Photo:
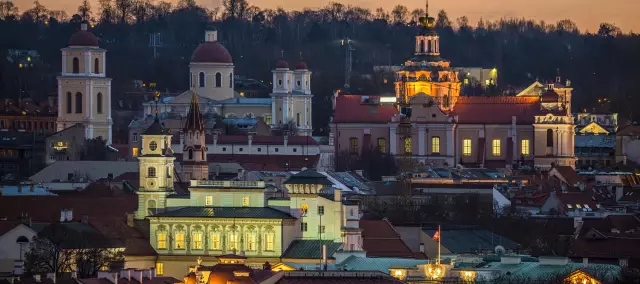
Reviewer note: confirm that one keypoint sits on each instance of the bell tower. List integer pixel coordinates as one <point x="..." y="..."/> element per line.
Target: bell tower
<point x="194" y="153"/>
<point x="156" y="168"/>
<point x="84" y="91"/>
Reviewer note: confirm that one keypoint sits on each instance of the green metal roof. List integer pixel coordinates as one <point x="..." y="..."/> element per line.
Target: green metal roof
<point x="310" y="249"/>
<point x="382" y="264"/>
<point x="472" y="240"/>
<point x="226" y="212"/>
<point x="308" y="176"/>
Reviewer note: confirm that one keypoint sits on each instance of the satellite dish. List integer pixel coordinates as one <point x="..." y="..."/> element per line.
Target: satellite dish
<point x="500" y="250"/>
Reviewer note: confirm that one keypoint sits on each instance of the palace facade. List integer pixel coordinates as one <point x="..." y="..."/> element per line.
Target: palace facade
<point x="430" y="122"/>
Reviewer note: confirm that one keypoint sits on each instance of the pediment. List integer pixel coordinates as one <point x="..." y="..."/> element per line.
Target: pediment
<point x="593" y="128"/>
<point x="425" y="109"/>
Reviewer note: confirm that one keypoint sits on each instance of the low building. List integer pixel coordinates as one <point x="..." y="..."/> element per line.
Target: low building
<point x="628" y="144"/>
<point x="65" y="145"/>
<point x="28" y="115"/>
<point x="21" y="155"/>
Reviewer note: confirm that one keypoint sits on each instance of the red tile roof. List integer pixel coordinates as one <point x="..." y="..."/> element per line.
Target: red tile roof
<point x="349" y="109"/>
<point x="569" y="174"/>
<point x="621" y="244"/>
<point x="498" y="110"/>
<point x="265" y="162"/>
<point x="379" y="239"/>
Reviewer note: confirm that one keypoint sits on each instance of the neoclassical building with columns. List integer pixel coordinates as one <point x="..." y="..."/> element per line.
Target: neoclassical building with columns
<point x="430" y="122"/>
<point x="212" y="69"/>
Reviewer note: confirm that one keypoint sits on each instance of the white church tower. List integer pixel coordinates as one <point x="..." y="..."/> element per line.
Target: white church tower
<point x="84" y="91"/>
<point x="291" y="96"/>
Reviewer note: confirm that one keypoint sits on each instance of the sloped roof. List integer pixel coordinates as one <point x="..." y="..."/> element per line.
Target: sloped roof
<point x="588" y="141"/>
<point x="382" y="264"/>
<point x="308" y="176"/>
<point x="379" y="239"/>
<point x="226" y="212"/>
<point x="629" y="130"/>
<point x="498" y="110"/>
<point x="471" y="240"/>
<point x="349" y="109"/>
<point x="310" y="249"/>
<point x="194" y="117"/>
<point x="569" y="174"/>
<point x="47" y="208"/>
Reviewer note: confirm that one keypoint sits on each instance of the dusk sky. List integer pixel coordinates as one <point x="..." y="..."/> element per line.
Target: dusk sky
<point x="588" y="14"/>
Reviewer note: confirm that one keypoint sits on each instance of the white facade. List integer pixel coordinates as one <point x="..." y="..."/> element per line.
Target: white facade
<point x="13" y="247"/>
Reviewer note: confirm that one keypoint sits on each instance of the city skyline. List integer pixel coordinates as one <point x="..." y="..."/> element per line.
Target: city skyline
<point x="587" y="14"/>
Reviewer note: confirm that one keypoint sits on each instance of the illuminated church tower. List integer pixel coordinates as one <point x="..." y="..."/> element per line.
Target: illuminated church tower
<point x="194" y="153"/>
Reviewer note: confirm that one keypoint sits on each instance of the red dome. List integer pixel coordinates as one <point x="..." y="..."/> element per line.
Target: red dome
<point x="211" y="52"/>
<point x="550" y="96"/>
<point x="83" y="38"/>
<point x="301" y="66"/>
<point x="282" y="64"/>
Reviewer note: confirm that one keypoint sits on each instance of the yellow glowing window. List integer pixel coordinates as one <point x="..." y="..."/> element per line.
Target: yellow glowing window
<point x="159" y="268"/>
<point x="251" y="241"/>
<point x="269" y="241"/>
<point x="233" y="240"/>
<point x="525" y="147"/>
<point x="304" y="208"/>
<point x="495" y="147"/>
<point x="180" y="240"/>
<point x="215" y="240"/>
<point x="569" y="206"/>
<point x="353" y="145"/>
<point x="466" y="147"/>
<point x="382" y="145"/>
<point x="245" y="201"/>
<point x="408" y="146"/>
<point x="435" y="144"/>
<point x="208" y="200"/>
<point x="268" y="119"/>
<point x="162" y="240"/>
<point x="578" y="206"/>
<point x="197" y="240"/>
<point x="135" y="151"/>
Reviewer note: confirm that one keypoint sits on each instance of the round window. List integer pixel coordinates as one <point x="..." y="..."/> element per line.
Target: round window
<point x="153" y="146"/>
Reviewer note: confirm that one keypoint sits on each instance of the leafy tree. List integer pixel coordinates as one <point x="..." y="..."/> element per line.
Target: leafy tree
<point x="84" y="10"/>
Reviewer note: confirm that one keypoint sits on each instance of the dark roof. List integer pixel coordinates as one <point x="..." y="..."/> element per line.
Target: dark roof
<point x="308" y="176"/>
<point x="379" y="239"/>
<point x="301" y="66"/>
<point x="227" y="212"/>
<point x="350" y="109"/>
<point x="470" y="240"/>
<point x="569" y="174"/>
<point x="194" y="117"/>
<point x="281" y="64"/>
<point x="211" y="52"/>
<point x="156" y="128"/>
<point x="310" y="249"/>
<point x="629" y="130"/>
<point x="549" y="96"/>
<point x="47" y="208"/>
<point x="83" y="38"/>
<point x="498" y="110"/>
<point x="266" y="140"/>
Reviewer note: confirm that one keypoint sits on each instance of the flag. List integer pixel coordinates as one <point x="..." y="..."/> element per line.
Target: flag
<point x="436" y="236"/>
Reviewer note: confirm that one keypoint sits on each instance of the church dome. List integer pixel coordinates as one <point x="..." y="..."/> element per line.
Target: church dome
<point x="282" y="65"/>
<point x="211" y="52"/>
<point x="550" y="96"/>
<point x="83" y="38"/>
<point x="301" y="66"/>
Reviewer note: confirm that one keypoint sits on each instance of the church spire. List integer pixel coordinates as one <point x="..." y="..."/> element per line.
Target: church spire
<point x="194" y="117"/>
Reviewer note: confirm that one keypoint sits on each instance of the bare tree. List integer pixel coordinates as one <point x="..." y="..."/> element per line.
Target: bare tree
<point x="84" y="10"/>
<point x="399" y="14"/>
<point x="7" y="9"/>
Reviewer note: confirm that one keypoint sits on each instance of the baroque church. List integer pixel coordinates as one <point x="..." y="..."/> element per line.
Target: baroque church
<point x="212" y="71"/>
<point x="219" y="217"/>
<point x="428" y="121"/>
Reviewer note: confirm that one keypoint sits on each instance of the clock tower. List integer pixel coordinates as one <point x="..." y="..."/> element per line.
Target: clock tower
<point x="156" y="169"/>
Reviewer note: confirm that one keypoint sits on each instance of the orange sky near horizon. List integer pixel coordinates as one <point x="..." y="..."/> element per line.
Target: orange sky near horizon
<point x="587" y="14"/>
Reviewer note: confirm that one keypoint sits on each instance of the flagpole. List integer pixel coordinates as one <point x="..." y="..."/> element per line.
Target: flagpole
<point x="439" y="238"/>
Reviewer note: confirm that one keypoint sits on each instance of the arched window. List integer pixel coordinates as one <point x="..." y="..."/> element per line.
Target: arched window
<point x="78" y="102"/>
<point x="230" y="80"/>
<point x="151" y="172"/>
<point x="201" y="80"/>
<point x="218" y="80"/>
<point x="549" y="138"/>
<point x="280" y="83"/>
<point x="251" y="237"/>
<point x="215" y="238"/>
<point x="96" y="66"/>
<point x="69" y="102"/>
<point x="429" y="46"/>
<point x="203" y="154"/>
<point x="22" y="240"/>
<point x="99" y="103"/>
<point x="269" y="239"/>
<point x="190" y="154"/>
<point x="76" y="65"/>
<point x="421" y="46"/>
<point x="298" y="83"/>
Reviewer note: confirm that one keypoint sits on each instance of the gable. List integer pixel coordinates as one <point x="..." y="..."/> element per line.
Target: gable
<point x="593" y="128"/>
<point x="533" y="90"/>
<point x="424" y="109"/>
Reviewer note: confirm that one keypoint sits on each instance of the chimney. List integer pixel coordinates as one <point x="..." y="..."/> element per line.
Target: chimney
<point x="211" y="36"/>
<point x="51" y="276"/>
<point x="83" y="26"/>
<point x="25" y="219"/>
<point x="422" y="247"/>
<point x="63" y="216"/>
<point x="337" y="195"/>
<point x="36" y="277"/>
<point x="69" y="214"/>
<point x="130" y="222"/>
<point x="18" y="267"/>
<point x="585" y="261"/>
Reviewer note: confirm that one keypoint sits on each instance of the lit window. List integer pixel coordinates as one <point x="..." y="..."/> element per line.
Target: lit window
<point x="233" y="240"/>
<point x="179" y="240"/>
<point x="353" y="145"/>
<point x="151" y="172"/>
<point x="303" y="227"/>
<point x="269" y="241"/>
<point x="197" y="240"/>
<point x="268" y="119"/>
<point x="525" y="147"/>
<point x="320" y="210"/>
<point x="466" y="147"/>
<point x="252" y="239"/>
<point x="408" y="146"/>
<point x="321" y="229"/>
<point x="586" y="206"/>
<point x="569" y="206"/>
<point x="382" y="145"/>
<point x="135" y="151"/>
<point x="245" y="201"/>
<point x="162" y="240"/>
<point x="578" y="206"/>
<point x="495" y="147"/>
<point x="435" y="144"/>
<point x="153" y="146"/>
<point x="208" y="200"/>
<point x="159" y="268"/>
<point x="215" y="240"/>
<point x="304" y="208"/>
